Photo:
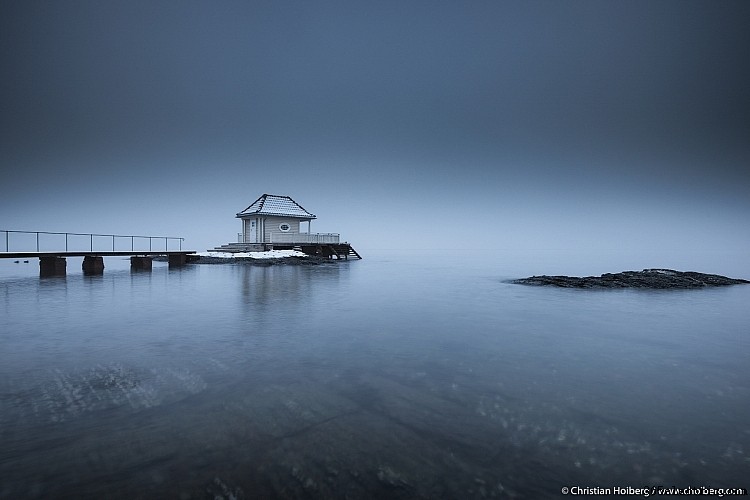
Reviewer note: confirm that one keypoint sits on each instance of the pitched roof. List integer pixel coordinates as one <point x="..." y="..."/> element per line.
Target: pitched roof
<point x="271" y="204"/>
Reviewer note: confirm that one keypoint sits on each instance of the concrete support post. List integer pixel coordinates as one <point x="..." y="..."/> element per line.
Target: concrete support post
<point x="92" y="265"/>
<point x="52" y="266"/>
<point x="177" y="259"/>
<point x="140" y="263"/>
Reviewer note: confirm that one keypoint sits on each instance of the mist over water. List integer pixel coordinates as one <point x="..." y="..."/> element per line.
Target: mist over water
<point x="395" y="377"/>
<point x="605" y="126"/>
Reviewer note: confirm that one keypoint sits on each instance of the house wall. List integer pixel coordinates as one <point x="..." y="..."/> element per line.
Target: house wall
<point x="268" y="225"/>
<point x="271" y="226"/>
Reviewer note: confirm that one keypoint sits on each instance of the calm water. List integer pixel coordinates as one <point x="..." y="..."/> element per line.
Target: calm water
<point x="390" y="377"/>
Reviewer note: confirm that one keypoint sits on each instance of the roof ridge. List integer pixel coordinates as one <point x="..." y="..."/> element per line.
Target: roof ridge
<point x="253" y="203"/>
<point x="276" y="204"/>
<point x="303" y="208"/>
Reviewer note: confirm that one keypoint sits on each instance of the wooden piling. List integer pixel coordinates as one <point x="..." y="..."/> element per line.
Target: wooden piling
<point x="177" y="260"/>
<point x="92" y="265"/>
<point x="140" y="263"/>
<point x="52" y="266"/>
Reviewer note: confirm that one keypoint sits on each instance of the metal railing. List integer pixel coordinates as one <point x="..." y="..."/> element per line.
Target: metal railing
<point x="114" y="237"/>
<point x="304" y="238"/>
<point x="297" y="238"/>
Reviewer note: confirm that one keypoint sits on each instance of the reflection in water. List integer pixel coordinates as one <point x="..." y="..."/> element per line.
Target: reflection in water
<point x="283" y="297"/>
<point x="388" y="379"/>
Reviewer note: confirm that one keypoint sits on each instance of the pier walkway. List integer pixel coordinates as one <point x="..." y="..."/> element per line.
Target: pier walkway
<point x="51" y="248"/>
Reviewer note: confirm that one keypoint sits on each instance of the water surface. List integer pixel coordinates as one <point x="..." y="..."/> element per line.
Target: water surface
<point x="390" y="377"/>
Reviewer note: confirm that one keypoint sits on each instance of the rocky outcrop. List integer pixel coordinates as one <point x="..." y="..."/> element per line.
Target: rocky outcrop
<point x="289" y="261"/>
<point x="648" y="278"/>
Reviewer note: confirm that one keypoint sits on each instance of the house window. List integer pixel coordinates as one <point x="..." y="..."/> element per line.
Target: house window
<point x="284" y="227"/>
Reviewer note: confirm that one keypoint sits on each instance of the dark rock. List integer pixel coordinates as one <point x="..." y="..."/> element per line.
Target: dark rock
<point x="648" y="278"/>
<point x="288" y="261"/>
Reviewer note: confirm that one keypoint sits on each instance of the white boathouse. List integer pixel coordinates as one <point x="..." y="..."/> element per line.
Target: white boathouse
<point x="279" y="219"/>
<point x="276" y="221"/>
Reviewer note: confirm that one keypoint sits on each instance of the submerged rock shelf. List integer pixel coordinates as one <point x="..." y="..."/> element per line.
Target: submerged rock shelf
<point x="648" y="278"/>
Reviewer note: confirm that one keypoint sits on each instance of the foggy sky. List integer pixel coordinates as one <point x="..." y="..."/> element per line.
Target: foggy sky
<point x="601" y="126"/>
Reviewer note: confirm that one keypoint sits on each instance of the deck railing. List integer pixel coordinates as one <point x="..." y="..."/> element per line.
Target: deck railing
<point x="44" y="241"/>
<point x="297" y="238"/>
<point x="304" y="238"/>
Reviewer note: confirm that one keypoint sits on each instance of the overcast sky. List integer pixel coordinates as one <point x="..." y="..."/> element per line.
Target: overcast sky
<point x="588" y="125"/>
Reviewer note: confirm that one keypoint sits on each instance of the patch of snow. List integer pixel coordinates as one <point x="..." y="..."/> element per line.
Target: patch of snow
<point x="664" y="271"/>
<point x="270" y="254"/>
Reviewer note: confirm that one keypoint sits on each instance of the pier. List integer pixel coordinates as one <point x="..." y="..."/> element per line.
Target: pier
<point x="52" y="248"/>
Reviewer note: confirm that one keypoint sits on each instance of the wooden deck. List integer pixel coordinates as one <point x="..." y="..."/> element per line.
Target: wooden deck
<point x="106" y="253"/>
<point x="329" y="251"/>
<point x="55" y="264"/>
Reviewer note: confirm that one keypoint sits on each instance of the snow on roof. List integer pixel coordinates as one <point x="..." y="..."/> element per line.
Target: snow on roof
<point x="271" y="204"/>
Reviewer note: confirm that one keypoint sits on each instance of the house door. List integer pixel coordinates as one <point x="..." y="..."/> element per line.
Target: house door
<point x="251" y="232"/>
